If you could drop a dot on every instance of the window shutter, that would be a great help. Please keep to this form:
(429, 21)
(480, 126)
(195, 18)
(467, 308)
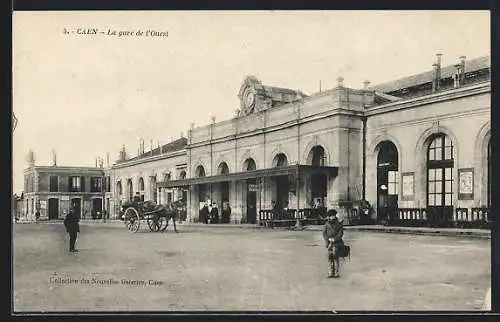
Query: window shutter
(82, 184)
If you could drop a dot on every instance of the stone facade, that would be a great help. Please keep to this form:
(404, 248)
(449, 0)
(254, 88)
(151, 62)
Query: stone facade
(141, 174)
(379, 139)
(53, 190)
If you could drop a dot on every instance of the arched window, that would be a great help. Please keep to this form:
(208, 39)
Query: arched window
(318, 156)
(119, 188)
(280, 160)
(141, 184)
(182, 175)
(200, 171)
(130, 189)
(249, 165)
(223, 168)
(440, 172)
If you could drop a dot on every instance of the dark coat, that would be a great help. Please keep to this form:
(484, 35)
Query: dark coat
(333, 229)
(204, 214)
(71, 222)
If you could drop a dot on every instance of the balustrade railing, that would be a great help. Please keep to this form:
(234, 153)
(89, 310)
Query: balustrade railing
(432, 217)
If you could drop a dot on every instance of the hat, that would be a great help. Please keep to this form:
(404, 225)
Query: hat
(331, 213)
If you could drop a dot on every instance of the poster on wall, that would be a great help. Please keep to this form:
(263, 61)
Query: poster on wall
(407, 182)
(466, 184)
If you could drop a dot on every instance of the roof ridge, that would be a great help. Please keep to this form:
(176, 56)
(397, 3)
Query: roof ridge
(476, 63)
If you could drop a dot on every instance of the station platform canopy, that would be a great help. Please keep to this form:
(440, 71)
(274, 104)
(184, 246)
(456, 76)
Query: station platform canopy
(296, 170)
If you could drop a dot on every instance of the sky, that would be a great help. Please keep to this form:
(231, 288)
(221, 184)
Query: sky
(84, 96)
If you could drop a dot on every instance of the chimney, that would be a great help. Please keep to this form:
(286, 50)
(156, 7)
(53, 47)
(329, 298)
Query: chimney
(434, 77)
(182, 134)
(212, 119)
(54, 158)
(30, 157)
(151, 145)
(462, 69)
(437, 73)
(365, 85)
(456, 76)
(340, 81)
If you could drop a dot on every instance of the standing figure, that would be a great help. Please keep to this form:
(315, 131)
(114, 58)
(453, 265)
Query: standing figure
(204, 214)
(73, 228)
(214, 214)
(37, 215)
(333, 232)
(226, 212)
(137, 197)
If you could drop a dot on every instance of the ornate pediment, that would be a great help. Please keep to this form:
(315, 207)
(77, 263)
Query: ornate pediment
(247, 95)
(255, 97)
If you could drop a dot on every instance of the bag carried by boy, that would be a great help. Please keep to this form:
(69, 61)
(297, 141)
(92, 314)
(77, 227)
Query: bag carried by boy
(344, 251)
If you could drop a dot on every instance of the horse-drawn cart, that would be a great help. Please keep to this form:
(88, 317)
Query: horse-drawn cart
(156, 216)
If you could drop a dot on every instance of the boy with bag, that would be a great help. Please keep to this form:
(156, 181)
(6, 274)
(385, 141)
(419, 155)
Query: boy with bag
(333, 232)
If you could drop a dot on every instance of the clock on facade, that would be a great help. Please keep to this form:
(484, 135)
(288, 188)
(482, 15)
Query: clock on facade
(250, 99)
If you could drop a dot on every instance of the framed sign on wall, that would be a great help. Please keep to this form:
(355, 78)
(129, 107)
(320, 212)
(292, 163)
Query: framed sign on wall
(407, 185)
(466, 184)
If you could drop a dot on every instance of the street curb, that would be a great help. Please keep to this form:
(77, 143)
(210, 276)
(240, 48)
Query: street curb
(440, 232)
(481, 234)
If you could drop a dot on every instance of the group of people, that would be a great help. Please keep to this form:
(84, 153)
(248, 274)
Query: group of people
(209, 214)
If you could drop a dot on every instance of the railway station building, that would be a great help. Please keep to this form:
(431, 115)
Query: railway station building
(417, 149)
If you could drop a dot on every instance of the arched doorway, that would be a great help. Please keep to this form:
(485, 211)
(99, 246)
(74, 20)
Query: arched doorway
(249, 165)
(440, 165)
(223, 187)
(282, 182)
(153, 192)
(53, 208)
(317, 158)
(387, 181)
(130, 190)
(203, 191)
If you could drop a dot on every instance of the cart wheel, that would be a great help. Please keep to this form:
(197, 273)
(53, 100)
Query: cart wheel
(132, 220)
(154, 224)
(162, 221)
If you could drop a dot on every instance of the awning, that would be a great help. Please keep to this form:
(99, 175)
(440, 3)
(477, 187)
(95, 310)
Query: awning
(270, 172)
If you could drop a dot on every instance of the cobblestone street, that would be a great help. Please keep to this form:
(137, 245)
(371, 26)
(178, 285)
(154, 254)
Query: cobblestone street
(206, 268)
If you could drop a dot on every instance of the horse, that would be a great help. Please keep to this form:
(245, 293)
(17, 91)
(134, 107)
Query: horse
(167, 211)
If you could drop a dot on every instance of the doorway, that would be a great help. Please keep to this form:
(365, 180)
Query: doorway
(53, 208)
(251, 201)
(387, 182)
(282, 192)
(97, 207)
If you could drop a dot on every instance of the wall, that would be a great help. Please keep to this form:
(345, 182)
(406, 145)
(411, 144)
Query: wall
(465, 119)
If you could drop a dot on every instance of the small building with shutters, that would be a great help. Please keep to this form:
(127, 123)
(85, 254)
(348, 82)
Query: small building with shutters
(52, 190)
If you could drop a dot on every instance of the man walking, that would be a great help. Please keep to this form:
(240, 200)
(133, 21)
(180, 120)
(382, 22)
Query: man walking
(332, 234)
(73, 228)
